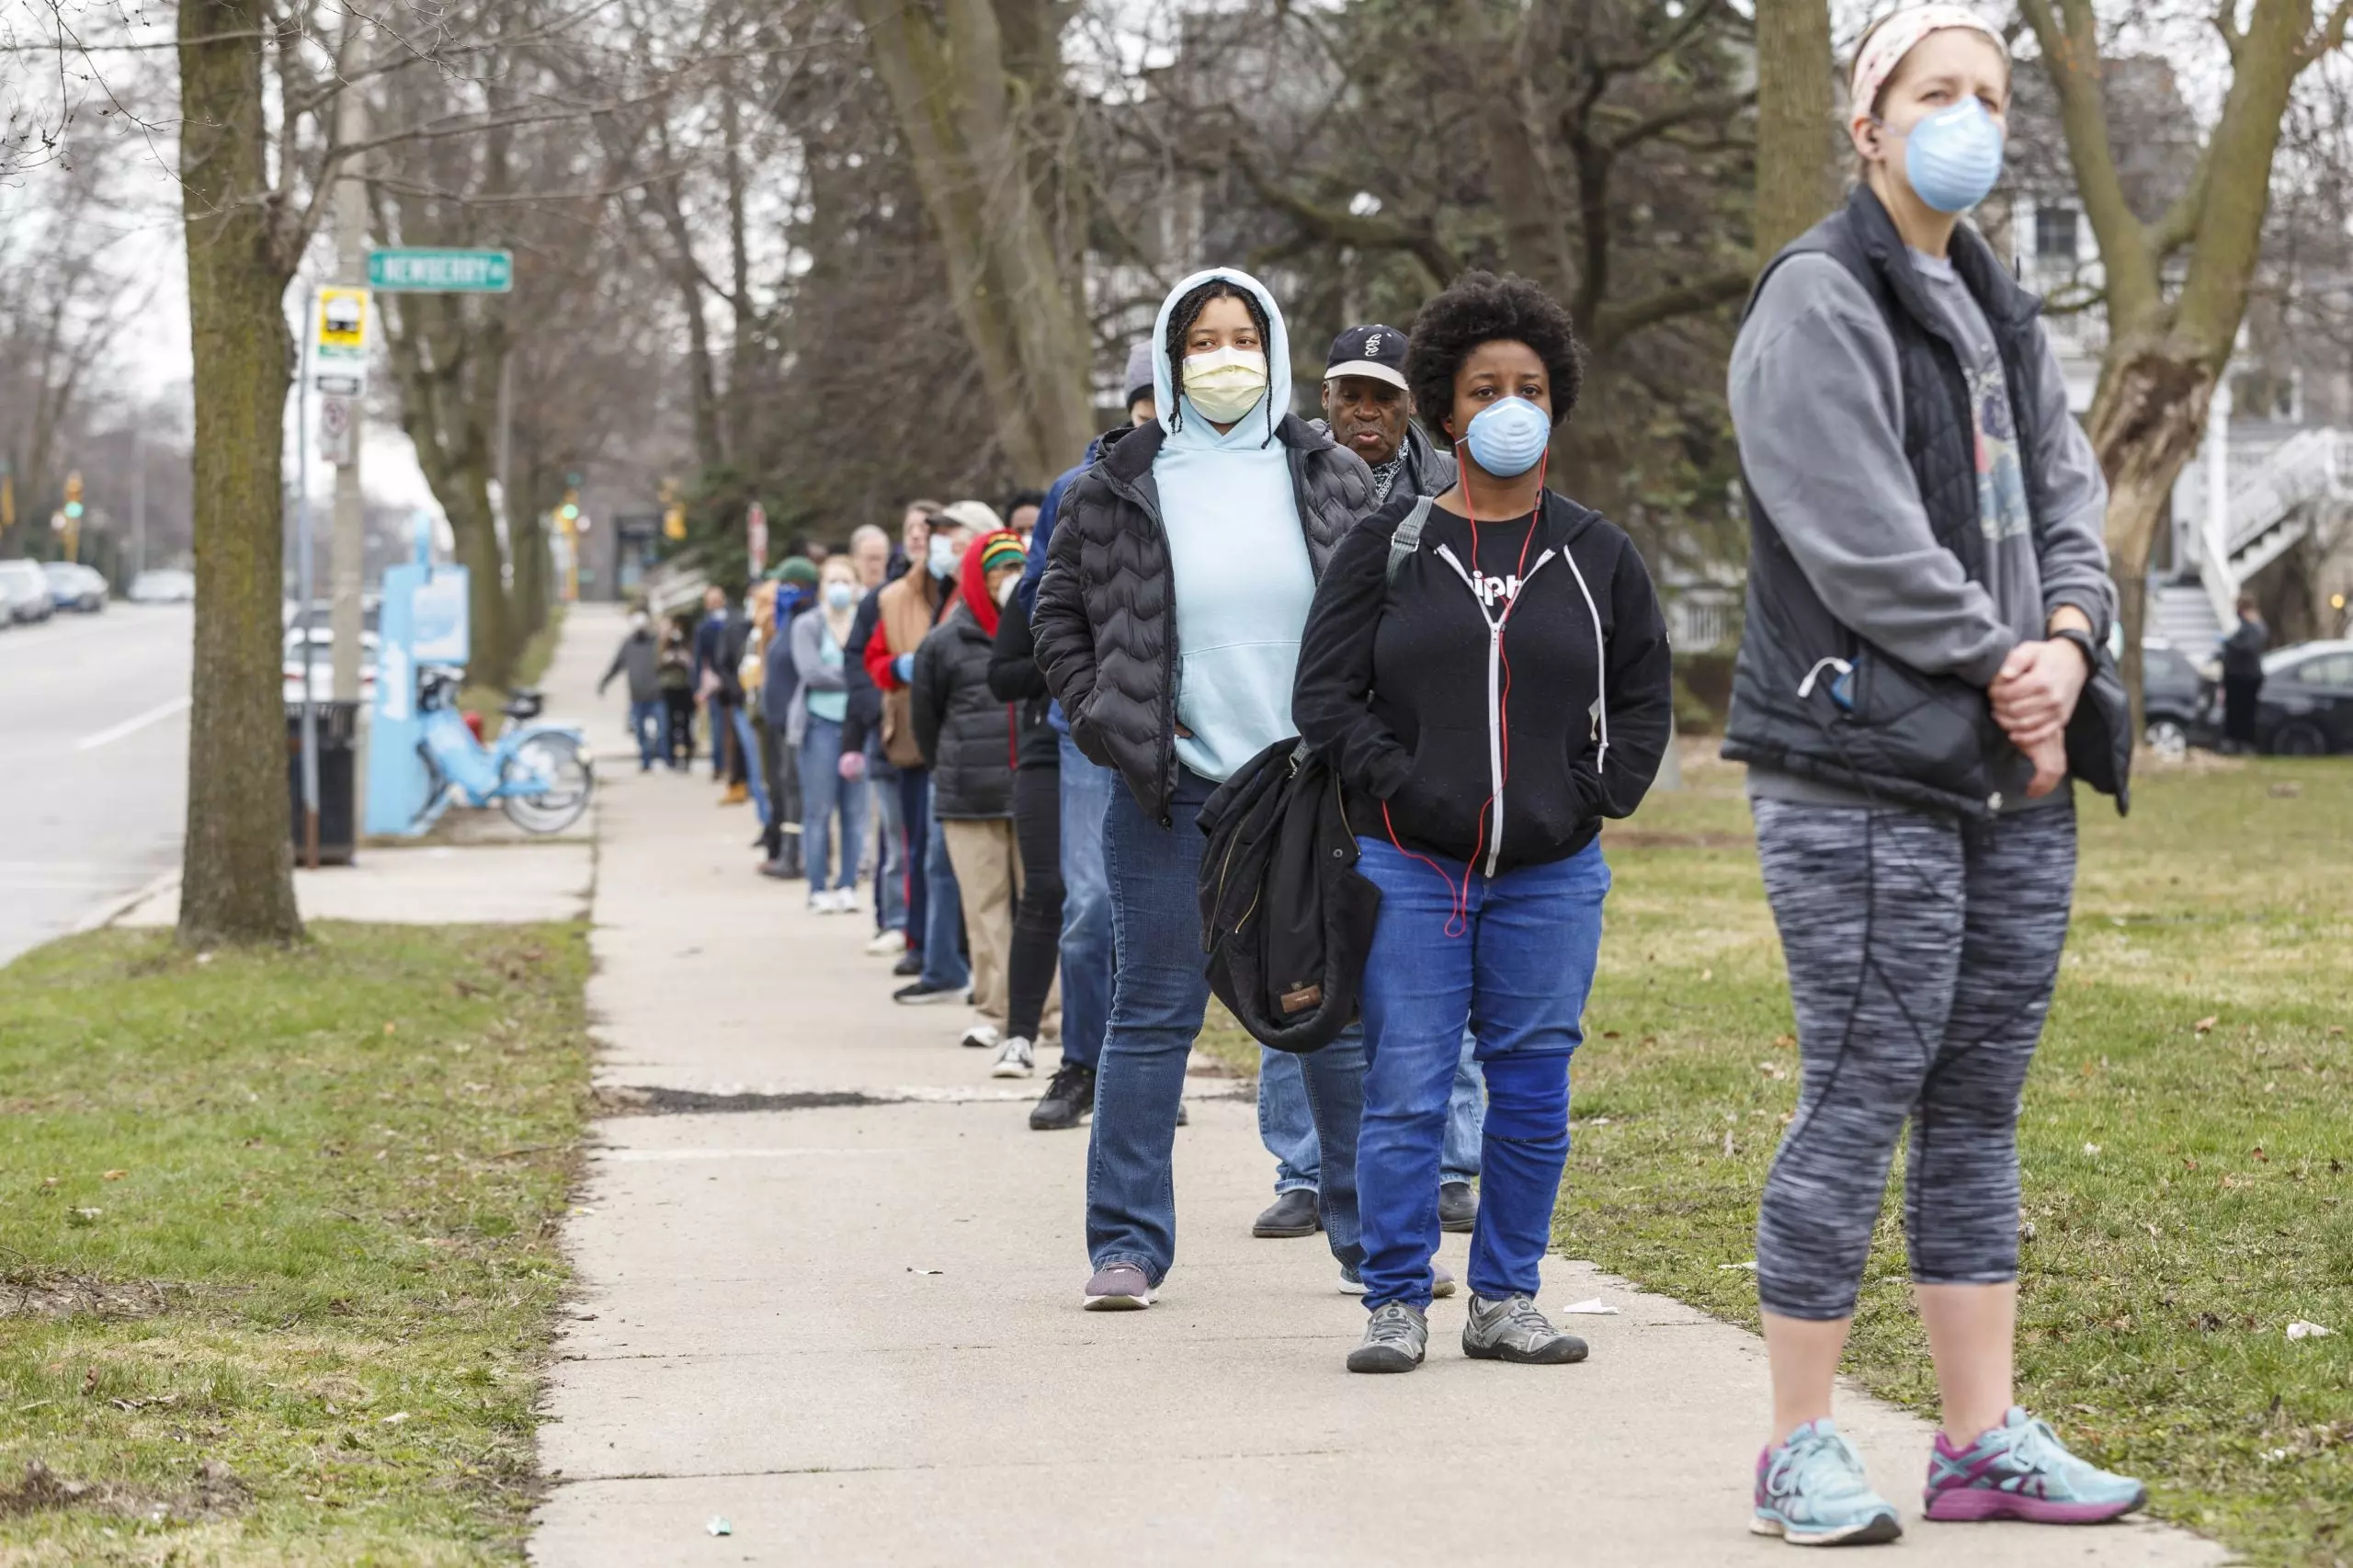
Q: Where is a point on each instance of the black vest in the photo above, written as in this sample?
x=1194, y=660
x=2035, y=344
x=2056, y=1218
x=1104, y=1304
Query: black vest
x=1907, y=737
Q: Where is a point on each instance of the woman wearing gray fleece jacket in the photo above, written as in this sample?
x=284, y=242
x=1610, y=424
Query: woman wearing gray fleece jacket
x=1927, y=592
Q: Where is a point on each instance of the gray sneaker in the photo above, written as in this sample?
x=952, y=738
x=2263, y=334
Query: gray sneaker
x=1515, y=1330
x=1394, y=1338
x=1118, y=1287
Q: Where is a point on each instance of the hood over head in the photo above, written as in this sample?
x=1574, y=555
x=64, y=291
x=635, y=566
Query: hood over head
x=1278, y=400
x=973, y=576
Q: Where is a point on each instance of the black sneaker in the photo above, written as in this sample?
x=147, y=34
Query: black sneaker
x=1069, y=1097
x=910, y=965
x=921, y=996
x=1458, y=1207
x=1292, y=1213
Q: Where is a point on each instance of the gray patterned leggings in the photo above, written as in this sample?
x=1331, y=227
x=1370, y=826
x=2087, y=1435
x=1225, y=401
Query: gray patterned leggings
x=1922, y=953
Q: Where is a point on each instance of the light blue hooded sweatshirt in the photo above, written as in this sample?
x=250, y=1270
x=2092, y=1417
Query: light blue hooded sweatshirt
x=1236, y=552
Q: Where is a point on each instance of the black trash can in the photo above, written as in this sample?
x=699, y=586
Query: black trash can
x=338, y=730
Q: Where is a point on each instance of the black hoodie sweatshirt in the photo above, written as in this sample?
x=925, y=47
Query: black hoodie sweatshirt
x=1439, y=725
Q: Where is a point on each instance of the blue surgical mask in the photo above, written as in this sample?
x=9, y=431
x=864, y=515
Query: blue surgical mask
x=1952, y=158
x=839, y=595
x=945, y=558
x=1507, y=436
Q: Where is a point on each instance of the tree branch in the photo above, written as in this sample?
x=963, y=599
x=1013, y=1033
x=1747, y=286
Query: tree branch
x=1618, y=323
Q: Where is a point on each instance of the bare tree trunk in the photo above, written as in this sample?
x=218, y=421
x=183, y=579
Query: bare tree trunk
x=237, y=869
x=1797, y=168
x=968, y=130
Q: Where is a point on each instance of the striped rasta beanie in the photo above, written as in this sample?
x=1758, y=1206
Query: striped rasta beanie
x=1001, y=550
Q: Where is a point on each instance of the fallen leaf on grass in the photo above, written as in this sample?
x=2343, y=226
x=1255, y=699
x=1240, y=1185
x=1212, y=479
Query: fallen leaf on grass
x=2206, y=1025
x=394, y=1419
x=49, y=1181
x=2261, y=1155
x=2300, y=1329
x=1707, y=975
x=89, y=1382
x=1750, y=1266
x=2091, y=1148
x=112, y=1175
x=391, y=1028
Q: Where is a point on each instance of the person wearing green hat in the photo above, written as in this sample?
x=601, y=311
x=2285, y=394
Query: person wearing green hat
x=774, y=610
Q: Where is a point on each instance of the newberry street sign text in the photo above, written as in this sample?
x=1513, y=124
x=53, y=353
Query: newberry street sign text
x=418, y=271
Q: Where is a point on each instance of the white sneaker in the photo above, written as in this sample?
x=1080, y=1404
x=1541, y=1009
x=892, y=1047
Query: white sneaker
x=888, y=944
x=821, y=904
x=830, y=902
x=846, y=900
x=980, y=1037
x=1015, y=1060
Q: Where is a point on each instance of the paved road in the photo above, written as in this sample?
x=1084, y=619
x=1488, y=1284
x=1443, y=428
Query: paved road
x=840, y=1310
x=93, y=764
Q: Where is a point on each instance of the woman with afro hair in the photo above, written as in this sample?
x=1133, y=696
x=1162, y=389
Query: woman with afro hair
x=1488, y=672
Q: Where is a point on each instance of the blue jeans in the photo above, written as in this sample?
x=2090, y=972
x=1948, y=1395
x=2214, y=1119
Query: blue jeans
x=1158, y=999
x=1289, y=1134
x=890, y=849
x=1086, y=908
x=826, y=794
x=943, y=916
x=1518, y=977
x=751, y=755
x=649, y=722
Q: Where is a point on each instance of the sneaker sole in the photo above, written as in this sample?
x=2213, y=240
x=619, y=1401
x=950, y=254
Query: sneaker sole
x=1118, y=1303
x=923, y=1001
x=1380, y=1359
x=1038, y=1126
x=1564, y=1352
x=1975, y=1504
x=1011, y=1070
x=1458, y=1227
x=1877, y=1530
x=970, y=1043
x=1283, y=1232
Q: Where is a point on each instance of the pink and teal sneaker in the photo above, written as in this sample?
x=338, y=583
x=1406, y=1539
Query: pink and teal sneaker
x=2021, y=1470
x=1810, y=1491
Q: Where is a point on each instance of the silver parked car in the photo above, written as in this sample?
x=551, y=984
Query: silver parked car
x=26, y=588
x=81, y=589
x=163, y=585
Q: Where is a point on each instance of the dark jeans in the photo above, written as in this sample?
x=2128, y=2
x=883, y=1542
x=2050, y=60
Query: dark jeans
x=915, y=835
x=679, y=742
x=2241, y=697
x=1159, y=996
x=1038, y=917
x=1088, y=789
x=780, y=767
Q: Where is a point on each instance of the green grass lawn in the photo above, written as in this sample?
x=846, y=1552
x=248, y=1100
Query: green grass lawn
x=277, y=1257
x=2188, y=1147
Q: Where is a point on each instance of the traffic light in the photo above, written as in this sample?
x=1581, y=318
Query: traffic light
x=73, y=495
x=568, y=514
x=674, y=511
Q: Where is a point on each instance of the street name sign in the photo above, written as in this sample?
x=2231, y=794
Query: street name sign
x=437, y=270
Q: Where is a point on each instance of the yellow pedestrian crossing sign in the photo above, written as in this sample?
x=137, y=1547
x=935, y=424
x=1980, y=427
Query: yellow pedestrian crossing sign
x=343, y=323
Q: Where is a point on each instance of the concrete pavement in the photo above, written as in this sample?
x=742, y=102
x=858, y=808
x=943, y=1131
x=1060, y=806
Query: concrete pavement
x=845, y=1318
x=93, y=764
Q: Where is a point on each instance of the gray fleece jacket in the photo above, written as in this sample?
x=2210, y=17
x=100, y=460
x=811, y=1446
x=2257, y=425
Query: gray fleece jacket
x=1817, y=402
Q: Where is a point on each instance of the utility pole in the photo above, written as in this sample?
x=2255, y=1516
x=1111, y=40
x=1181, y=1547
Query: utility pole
x=138, y=500
x=347, y=543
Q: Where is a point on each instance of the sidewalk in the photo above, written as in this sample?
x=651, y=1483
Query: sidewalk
x=851, y=1327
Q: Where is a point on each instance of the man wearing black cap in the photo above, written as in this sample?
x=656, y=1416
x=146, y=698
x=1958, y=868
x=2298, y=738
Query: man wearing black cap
x=1366, y=407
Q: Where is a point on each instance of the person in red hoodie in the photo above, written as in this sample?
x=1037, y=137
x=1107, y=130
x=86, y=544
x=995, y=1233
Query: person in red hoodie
x=969, y=739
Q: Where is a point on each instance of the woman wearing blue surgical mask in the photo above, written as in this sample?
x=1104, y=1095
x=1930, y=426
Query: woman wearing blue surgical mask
x=1488, y=673
x=1927, y=597
x=1167, y=624
x=828, y=801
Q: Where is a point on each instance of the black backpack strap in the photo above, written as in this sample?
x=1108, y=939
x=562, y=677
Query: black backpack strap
x=1407, y=539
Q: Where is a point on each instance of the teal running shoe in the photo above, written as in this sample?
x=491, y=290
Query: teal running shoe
x=2021, y=1470
x=1811, y=1492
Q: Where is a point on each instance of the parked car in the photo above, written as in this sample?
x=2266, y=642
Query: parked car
x=320, y=650
x=163, y=585
x=2181, y=705
x=83, y=589
x=26, y=588
x=2307, y=704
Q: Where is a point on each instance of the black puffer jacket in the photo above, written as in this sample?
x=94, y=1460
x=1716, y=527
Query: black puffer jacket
x=965, y=733
x=1106, y=622
x=1015, y=677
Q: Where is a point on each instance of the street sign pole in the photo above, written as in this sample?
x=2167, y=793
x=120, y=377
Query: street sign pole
x=302, y=570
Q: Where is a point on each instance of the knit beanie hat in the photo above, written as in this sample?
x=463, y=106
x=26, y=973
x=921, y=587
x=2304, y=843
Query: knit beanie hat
x=1139, y=372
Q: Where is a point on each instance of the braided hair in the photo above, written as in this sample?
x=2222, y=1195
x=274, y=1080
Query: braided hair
x=1180, y=326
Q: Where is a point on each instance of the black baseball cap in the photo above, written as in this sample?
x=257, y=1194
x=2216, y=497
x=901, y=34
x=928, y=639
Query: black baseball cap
x=1375, y=350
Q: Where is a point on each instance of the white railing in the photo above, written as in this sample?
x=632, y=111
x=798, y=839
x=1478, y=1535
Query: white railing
x=2264, y=512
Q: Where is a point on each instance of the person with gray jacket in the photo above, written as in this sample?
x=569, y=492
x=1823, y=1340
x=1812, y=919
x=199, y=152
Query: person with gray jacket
x=1928, y=601
x=639, y=658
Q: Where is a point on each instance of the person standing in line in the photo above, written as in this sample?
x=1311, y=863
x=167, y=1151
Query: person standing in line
x=2242, y=652
x=676, y=675
x=711, y=635
x=1928, y=598
x=1167, y=624
x=639, y=658
x=908, y=610
x=1488, y=673
x=863, y=735
x=1366, y=411
x=970, y=739
x=1016, y=679
x=730, y=706
x=814, y=731
x=1021, y=509
x=870, y=553
x=1087, y=790
x=777, y=608
x=877, y=564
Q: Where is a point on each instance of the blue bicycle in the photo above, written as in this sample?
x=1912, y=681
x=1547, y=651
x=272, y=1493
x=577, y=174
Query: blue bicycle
x=539, y=774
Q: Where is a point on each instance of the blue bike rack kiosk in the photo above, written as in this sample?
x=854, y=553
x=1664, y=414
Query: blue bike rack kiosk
x=423, y=621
